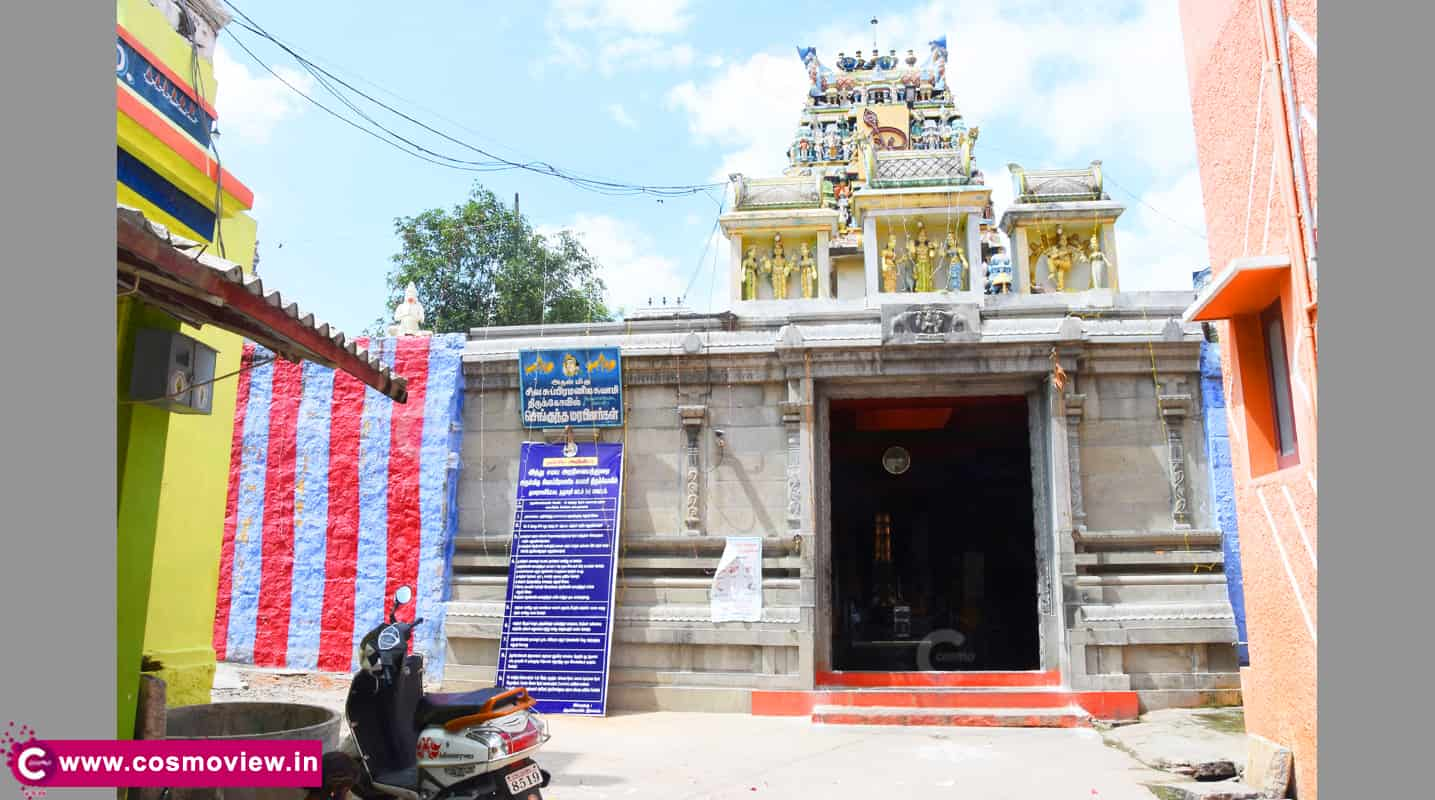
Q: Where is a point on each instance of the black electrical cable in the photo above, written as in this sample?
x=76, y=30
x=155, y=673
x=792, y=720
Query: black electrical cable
x=496, y=163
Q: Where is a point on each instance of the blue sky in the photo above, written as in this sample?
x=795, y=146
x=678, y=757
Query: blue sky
x=674, y=93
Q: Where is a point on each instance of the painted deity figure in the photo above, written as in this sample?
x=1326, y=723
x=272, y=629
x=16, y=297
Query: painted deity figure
x=409, y=315
x=832, y=143
x=1099, y=265
x=999, y=274
x=924, y=261
x=779, y=268
x=841, y=192
x=931, y=136
x=807, y=272
x=1059, y=255
x=957, y=269
x=889, y=265
x=750, y=268
x=939, y=64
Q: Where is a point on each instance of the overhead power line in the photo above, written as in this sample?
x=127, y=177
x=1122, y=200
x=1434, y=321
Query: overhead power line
x=492, y=162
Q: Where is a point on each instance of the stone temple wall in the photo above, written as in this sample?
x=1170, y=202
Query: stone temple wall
x=1133, y=590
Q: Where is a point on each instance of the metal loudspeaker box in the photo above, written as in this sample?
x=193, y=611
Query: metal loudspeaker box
x=172, y=371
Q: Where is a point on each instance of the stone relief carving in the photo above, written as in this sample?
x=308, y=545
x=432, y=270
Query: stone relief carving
x=930, y=323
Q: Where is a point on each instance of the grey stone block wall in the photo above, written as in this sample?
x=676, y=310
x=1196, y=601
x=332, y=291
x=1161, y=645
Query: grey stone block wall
x=1137, y=599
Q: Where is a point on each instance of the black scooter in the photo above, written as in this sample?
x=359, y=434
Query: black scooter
x=416, y=746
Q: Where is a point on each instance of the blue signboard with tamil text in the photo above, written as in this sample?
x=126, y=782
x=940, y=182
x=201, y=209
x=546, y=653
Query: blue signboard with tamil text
x=562, y=575
x=150, y=83
x=582, y=388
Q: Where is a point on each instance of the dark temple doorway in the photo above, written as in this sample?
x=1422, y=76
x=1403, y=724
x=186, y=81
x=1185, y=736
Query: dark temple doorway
x=933, y=535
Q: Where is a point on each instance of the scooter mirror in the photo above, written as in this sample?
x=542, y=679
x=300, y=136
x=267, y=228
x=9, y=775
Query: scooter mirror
x=403, y=596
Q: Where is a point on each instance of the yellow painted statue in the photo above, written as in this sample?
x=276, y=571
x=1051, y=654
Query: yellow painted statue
x=779, y=268
x=1059, y=253
x=750, y=267
x=889, y=265
x=924, y=261
x=807, y=267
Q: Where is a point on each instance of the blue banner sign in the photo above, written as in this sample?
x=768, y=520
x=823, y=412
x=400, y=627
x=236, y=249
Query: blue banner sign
x=162, y=93
x=581, y=388
x=562, y=576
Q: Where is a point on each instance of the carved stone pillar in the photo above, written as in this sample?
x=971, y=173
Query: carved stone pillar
x=792, y=426
x=692, y=419
x=1174, y=409
x=1075, y=409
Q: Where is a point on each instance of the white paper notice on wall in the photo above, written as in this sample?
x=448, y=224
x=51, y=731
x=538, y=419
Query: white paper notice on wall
x=737, y=586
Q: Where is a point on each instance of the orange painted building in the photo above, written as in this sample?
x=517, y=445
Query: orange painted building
x=1252, y=71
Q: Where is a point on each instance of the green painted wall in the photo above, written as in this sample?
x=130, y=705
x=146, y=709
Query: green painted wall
x=141, y=435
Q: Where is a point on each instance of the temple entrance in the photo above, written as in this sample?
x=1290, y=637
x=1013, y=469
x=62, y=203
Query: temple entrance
x=933, y=538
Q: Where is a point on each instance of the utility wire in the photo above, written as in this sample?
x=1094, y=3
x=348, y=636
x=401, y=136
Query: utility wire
x=495, y=163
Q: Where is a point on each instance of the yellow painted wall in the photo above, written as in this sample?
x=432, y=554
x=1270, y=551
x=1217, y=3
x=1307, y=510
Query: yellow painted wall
x=149, y=26
x=189, y=519
x=180, y=626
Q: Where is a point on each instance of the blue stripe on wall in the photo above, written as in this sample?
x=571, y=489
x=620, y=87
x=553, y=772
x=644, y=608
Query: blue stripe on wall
x=169, y=198
x=311, y=515
x=373, y=568
x=443, y=389
x=248, y=536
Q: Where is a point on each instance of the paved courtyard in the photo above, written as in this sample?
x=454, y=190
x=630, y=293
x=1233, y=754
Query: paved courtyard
x=685, y=756
x=693, y=756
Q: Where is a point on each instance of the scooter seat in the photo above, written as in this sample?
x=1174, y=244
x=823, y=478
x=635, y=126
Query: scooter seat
x=401, y=778
x=436, y=709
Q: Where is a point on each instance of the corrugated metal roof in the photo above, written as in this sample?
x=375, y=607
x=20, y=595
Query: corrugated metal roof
x=180, y=276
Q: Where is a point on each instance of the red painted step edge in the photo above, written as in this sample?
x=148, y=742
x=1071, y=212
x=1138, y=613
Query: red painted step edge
x=1106, y=706
x=933, y=679
x=1037, y=720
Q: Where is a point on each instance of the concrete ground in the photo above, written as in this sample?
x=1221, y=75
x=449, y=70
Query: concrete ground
x=694, y=756
x=688, y=756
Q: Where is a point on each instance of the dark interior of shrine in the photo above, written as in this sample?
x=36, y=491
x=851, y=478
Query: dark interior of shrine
x=945, y=550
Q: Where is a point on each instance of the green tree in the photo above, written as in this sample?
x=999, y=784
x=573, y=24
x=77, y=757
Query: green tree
x=481, y=263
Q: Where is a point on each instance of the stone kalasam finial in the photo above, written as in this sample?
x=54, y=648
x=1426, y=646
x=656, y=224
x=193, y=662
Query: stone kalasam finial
x=409, y=315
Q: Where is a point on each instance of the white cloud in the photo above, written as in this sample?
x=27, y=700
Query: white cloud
x=1159, y=249
x=751, y=106
x=644, y=53
x=615, y=35
x=252, y=104
x=620, y=115
x=631, y=268
x=634, y=16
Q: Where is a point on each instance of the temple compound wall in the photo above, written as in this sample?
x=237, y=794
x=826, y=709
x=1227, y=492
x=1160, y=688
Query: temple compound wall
x=726, y=434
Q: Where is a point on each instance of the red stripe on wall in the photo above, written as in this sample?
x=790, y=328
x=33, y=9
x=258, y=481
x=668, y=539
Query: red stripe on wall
x=341, y=557
x=271, y=632
x=231, y=508
x=411, y=361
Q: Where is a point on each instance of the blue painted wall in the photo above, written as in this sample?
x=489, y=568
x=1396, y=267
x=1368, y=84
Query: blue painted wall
x=1218, y=457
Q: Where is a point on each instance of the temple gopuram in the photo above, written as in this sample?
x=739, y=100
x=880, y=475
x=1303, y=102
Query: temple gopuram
x=979, y=472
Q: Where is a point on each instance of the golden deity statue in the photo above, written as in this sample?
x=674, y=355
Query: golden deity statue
x=889, y=265
x=750, y=267
x=779, y=268
x=924, y=261
x=1059, y=252
x=807, y=272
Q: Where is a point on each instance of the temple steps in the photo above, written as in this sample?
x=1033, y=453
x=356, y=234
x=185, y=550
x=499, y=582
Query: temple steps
x=1066, y=716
